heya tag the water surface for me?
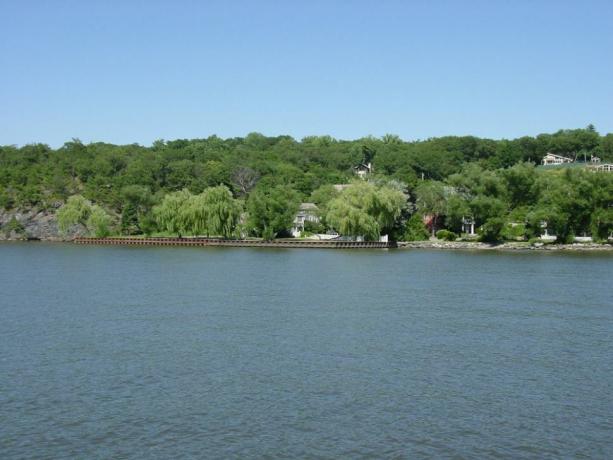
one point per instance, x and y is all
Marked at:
(110, 352)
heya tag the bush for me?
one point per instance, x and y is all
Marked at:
(313, 227)
(15, 226)
(491, 231)
(6, 201)
(416, 229)
(99, 222)
(513, 232)
(446, 235)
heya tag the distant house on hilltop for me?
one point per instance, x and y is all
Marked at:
(553, 159)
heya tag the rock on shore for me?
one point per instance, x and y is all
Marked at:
(521, 246)
(37, 225)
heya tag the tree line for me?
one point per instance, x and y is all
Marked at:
(254, 185)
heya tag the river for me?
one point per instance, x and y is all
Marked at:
(111, 352)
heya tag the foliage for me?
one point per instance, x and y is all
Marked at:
(449, 178)
(76, 211)
(168, 213)
(213, 212)
(416, 229)
(13, 226)
(491, 230)
(514, 232)
(446, 235)
(365, 209)
(314, 227)
(431, 198)
(99, 222)
(272, 210)
(602, 223)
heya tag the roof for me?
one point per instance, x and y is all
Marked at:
(307, 206)
(549, 154)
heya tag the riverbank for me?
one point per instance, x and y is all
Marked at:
(508, 246)
(288, 243)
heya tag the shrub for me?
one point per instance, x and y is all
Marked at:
(6, 201)
(446, 235)
(15, 226)
(416, 229)
(313, 227)
(491, 231)
(513, 232)
(99, 222)
(75, 211)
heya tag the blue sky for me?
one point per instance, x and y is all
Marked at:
(136, 71)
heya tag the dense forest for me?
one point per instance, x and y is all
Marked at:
(253, 185)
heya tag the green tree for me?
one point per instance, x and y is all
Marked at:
(491, 230)
(602, 223)
(99, 222)
(431, 198)
(416, 230)
(322, 197)
(213, 212)
(137, 201)
(520, 181)
(76, 211)
(272, 210)
(168, 214)
(364, 209)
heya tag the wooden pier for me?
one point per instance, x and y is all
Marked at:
(162, 241)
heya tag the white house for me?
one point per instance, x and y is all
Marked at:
(604, 167)
(553, 159)
(468, 225)
(306, 213)
(363, 170)
(546, 236)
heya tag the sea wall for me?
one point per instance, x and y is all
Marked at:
(197, 241)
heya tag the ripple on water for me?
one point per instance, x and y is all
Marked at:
(174, 352)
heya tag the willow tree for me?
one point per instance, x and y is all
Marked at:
(78, 210)
(213, 212)
(99, 222)
(75, 211)
(366, 209)
(169, 213)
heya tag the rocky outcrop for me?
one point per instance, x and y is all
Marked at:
(34, 224)
(524, 246)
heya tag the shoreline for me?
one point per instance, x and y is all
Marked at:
(507, 246)
(403, 245)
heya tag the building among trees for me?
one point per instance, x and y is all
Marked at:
(363, 169)
(553, 159)
(306, 213)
